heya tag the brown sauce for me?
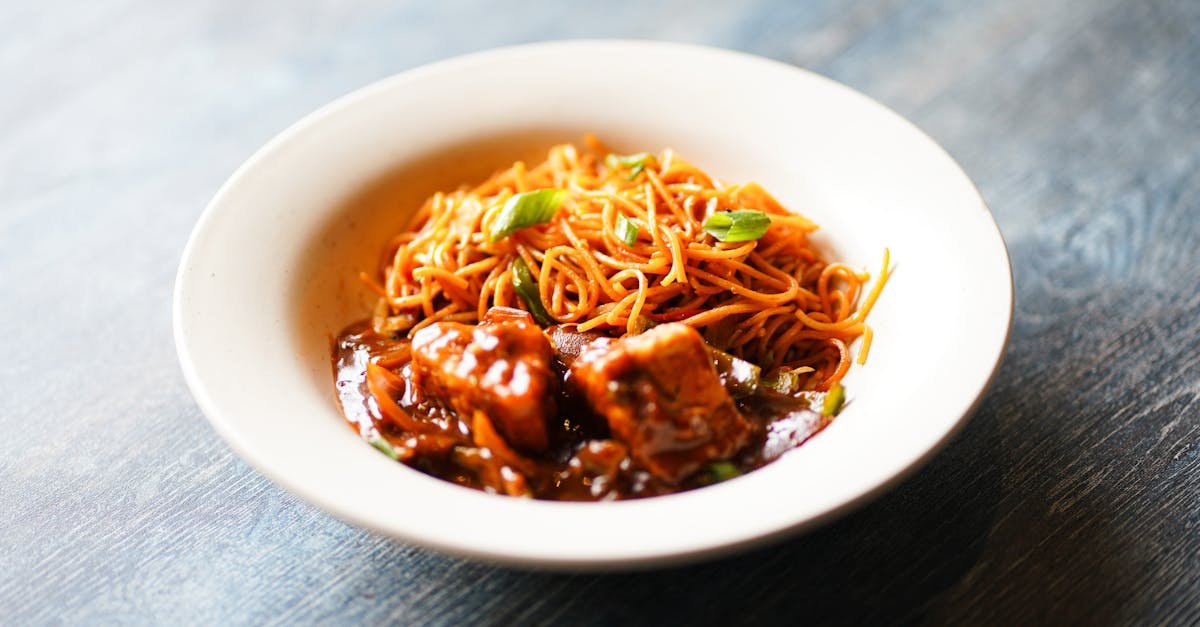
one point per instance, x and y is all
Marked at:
(581, 458)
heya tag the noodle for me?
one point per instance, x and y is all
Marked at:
(773, 300)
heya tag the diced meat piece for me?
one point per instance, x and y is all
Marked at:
(496, 315)
(661, 396)
(596, 466)
(569, 343)
(502, 367)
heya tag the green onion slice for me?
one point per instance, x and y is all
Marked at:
(742, 225)
(643, 323)
(627, 231)
(527, 209)
(636, 163)
(384, 446)
(784, 380)
(722, 471)
(833, 400)
(527, 289)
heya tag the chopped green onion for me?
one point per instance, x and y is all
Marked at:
(742, 225)
(642, 323)
(722, 471)
(527, 289)
(833, 400)
(635, 163)
(384, 446)
(527, 209)
(739, 376)
(784, 380)
(627, 231)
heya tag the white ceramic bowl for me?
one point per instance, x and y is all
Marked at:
(269, 275)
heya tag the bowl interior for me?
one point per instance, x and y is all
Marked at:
(270, 275)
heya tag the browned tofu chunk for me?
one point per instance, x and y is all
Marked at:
(661, 396)
(502, 367)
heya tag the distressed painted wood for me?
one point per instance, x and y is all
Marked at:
(1072, 496)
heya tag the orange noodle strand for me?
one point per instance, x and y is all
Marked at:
(775, 300)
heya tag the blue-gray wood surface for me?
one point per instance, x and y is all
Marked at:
(1072, 496)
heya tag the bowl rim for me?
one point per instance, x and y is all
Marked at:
(225, 425)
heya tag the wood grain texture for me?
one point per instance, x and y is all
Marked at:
(1073, 496)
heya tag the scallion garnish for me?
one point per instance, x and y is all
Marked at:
(527, 209)
(742, 225)
(784, 381)
(627, 231)
(721, 471)
(635, 163)
(833, 400)
(641, 324)
(527, 288)
(384, 446)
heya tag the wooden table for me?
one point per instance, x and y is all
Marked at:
(1072, 496)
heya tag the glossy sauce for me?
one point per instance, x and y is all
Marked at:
(582, 462)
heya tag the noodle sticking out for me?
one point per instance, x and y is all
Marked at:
(618, 244)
